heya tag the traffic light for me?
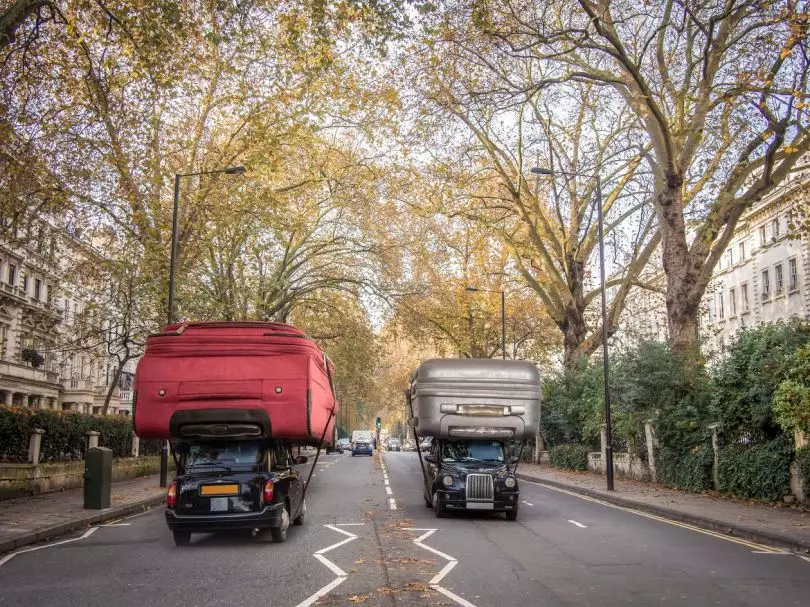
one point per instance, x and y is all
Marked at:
(379, 423)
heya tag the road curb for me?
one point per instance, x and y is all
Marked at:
(47, 533)
(704, 522)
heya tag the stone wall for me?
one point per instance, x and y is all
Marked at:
(18, 480)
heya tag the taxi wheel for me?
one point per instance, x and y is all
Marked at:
(181, 538)
(441, 510)
(279, 534)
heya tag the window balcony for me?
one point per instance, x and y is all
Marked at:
(17, 371)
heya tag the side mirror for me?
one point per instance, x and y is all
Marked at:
(430, 459)
(301, 459)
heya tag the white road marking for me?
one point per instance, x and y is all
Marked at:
(658, 518)
(451, 563)
(341, 575)
(116, 525)
(527, 503)
(577, 524)
(386, 481)
(769, 552)
(392, 503)
(388, 491)
(349, 524)
(86, 534)
(334, 568)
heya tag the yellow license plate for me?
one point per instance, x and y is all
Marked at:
(230, 489)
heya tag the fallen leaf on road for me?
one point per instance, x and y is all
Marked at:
(358, 598)
(359, 561)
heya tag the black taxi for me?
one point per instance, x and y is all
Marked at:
(225, 485)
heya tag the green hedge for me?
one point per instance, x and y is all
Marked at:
(65, 433)
(803, 462)
(756, 472)
(691, 470)
(571, 457)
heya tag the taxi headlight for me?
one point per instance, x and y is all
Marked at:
(510, 482)
(447, 480)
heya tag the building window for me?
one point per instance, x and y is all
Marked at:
(12, 274)
(793, 275)
(729, 258)
(763, 240)
(742, 251)
(778, 278)
(720, 313)
(775, 228)
(37, 289)
(744, 297)
(732, 303)
(766, 284)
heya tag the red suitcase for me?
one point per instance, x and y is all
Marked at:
(234, 379)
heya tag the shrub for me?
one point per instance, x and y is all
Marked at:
(690, 470)
(15, 425)
(803, 462)
(651, 382)
(759, 472)
(571, 457)
(791, 401)
(573, 404)
(65, 433)
(745, 381)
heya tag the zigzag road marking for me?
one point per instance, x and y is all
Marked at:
(451, 563)
(341, 575)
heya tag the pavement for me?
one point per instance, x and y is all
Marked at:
(784, 526)
(27, 520)
(369, 539)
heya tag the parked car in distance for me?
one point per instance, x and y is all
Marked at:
(343, 444)
(362, 447)
(227, 485)
(394, 445)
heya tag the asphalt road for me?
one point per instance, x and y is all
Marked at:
(562, 550)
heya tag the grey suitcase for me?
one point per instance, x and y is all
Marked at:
(476, 398)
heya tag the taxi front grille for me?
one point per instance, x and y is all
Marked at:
(480, 487)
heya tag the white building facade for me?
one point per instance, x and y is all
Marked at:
(763, 276)
(46, 359)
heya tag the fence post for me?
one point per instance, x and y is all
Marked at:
(603, 446)
(649, 433)
(35, 445)
(538, 448)
(716, 461)
(92, 439)
(136, 445)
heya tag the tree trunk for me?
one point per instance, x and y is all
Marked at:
(681, 268)
(114, 383)
(574, 330)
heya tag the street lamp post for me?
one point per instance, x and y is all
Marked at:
(503, 314)
(235, 170)
(608, 431)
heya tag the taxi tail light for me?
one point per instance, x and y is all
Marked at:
(268, 491)
(171, 495)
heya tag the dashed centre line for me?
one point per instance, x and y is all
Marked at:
(577, 524)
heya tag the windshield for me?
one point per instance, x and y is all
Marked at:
(225, 455)
(472, 451)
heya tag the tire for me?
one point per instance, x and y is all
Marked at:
(299, 520)
(438, 507)
(181, 538)
(428, 503)
(511, 515)
(279, 534)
